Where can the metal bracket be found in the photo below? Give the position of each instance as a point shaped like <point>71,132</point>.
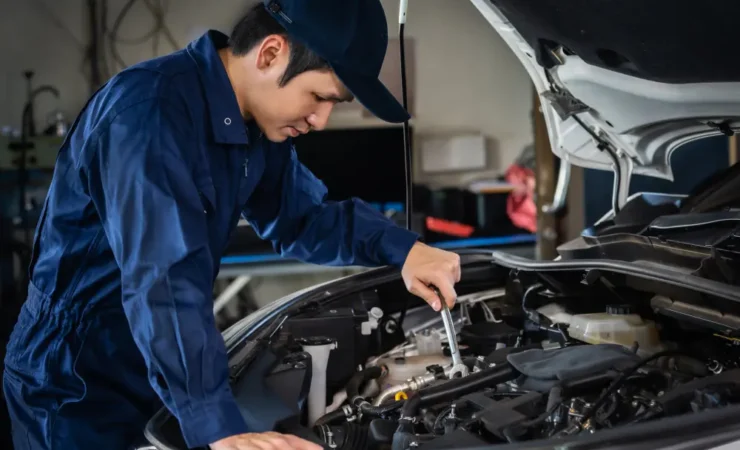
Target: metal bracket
<point>724,127</point>
<point>489,314</point>
<point>564,104</point>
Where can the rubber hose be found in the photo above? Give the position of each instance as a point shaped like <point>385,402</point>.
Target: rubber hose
<point>365,408</point>
<point>553,403</point>
<point>410,407</point>
<point>354,437</point>
<point>330,417</point>
<point>370,410</point>
<point>555,397</point>
<point>619,381</point>
<point>463,386</point>
<point>355,399</point>
<point>456,388</point>
<point>353,386</point>
<point>429,419</point>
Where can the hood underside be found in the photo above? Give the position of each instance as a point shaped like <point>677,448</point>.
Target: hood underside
<point>626,82</point>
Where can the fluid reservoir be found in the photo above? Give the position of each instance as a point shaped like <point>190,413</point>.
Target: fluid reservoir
<point>618,325</point>
<point>403,368</point>
<point>428,342</point>
<point>319,349</point>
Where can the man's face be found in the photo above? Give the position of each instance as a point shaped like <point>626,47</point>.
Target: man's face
<point>302,105</point>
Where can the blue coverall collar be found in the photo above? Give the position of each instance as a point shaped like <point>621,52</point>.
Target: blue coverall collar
<point>226,119</point>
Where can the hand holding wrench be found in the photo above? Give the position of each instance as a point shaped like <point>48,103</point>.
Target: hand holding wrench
<point>459,369</point>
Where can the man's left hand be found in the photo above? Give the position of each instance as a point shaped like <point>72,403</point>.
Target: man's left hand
<point>428,267</point>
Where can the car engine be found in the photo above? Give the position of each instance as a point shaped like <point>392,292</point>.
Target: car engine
<point>542,364</point>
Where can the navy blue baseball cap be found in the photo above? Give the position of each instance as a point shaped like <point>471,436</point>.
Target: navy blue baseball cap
<point>352,37</point>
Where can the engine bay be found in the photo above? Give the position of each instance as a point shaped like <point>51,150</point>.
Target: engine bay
<point>542,364</point>
<point>551,357</point>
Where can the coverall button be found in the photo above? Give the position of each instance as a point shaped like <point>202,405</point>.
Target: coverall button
<point>275,7</point>
<point>227,121</point>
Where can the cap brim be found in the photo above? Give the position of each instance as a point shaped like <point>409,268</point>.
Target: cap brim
<point>373,95</point>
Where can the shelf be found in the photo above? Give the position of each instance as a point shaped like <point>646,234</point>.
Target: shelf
<point>45,151</point>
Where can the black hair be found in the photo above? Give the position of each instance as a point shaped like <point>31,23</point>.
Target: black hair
<point>256,25</point>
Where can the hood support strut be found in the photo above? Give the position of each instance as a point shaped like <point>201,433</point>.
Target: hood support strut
<point>622,167</point>
<point>408,164</point>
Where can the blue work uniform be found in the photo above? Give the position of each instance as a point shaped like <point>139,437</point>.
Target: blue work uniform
<point>147,188</point>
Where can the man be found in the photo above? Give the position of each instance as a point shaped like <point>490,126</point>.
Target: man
<point>147,189</point>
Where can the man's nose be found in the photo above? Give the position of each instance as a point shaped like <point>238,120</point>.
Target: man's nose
<point>320,118</point>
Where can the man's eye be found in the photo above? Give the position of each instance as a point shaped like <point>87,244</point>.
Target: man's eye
<point>319,98</point>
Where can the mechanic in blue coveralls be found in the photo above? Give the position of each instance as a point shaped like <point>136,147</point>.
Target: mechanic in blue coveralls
<point>147,189</point>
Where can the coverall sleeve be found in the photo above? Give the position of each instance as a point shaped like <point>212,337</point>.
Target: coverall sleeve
<point>142,186</point>
<point>290,208</point>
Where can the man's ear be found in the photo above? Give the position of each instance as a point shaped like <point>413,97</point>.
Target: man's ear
<point>272,52</point>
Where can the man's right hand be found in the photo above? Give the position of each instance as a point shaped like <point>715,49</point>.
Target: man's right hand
<point>264,441</point>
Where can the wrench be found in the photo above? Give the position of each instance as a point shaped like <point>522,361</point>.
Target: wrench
<point>459,369</point>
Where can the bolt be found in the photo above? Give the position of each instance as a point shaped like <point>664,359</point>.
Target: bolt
<point>390,327</point>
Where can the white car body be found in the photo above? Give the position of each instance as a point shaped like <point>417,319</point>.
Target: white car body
<point>643,120</point>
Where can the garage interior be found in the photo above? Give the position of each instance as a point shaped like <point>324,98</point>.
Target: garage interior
<point>484,174</point>
<point>482,105</point>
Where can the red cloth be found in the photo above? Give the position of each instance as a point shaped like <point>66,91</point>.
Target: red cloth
<point>520,205</point>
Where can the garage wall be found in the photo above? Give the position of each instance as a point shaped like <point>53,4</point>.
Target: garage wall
<point>466,80</point>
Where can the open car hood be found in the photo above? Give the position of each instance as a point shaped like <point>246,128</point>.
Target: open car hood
<point>625,82</point>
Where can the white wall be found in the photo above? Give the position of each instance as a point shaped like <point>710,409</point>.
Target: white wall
<point>466,78</point>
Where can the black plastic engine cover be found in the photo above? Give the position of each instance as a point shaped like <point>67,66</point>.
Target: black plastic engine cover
<point>459,438</point>
<point>342,324</point>
<point>271,390</point>
<point>495,415</point>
